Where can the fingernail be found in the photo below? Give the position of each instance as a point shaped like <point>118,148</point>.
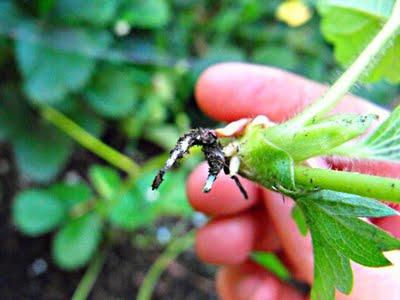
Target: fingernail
<point>233,128</point>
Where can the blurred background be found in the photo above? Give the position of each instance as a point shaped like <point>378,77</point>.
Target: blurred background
<point>75,76</point>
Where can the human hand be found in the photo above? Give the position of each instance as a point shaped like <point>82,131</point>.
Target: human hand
<point>231,91</point>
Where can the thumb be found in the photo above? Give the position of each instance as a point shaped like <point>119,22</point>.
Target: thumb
<point>369,283</point>
<point>297,248</point>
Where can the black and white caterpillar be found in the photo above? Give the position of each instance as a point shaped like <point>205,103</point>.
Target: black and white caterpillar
<point>213,152</point>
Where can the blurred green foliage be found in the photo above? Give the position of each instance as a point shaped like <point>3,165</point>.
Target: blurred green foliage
<point>127,68</point>
<point>136,62</point>
<point>78,212</point>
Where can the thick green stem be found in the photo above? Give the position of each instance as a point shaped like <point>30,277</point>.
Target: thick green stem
<point>173,250</point>
<point>91,143</point>
<point>90,276</point>
<point>376,187</point>
<point>369,55</point>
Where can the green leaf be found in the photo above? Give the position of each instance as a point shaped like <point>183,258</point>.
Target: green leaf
<point>382,144</point>
<point>272,263</point>
<point>165,136</point>
<point>49,65</point>
<point>172,200</point>
<point>82,115</point>
<point>132,211</point>
<point>40,150</point>
<point>282,57</point>
<point>9,14</point>
<point>331,270</point>
<point>41,153</point>
<point>45,6</point>
<point>15,116</point>
<point>96,12</point>
<point>36,212</point>
<point>264,162</point>
<point>320,138</point>
<point>298,217</point>
<point>387,131</point>
<point>146,13</point>
<point>71,194</point>
<point>141,205</point>
<point>89,121</point>
<point>347,205</point>
<point>339,235</point>
<point>113,92</point>
<point>350,25</point>
<point>381,92</point>
<point>77,241</point>
<point>105,180</point>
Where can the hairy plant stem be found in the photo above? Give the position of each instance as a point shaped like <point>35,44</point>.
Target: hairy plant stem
<point>90,276</point>
<point>88,141</point>
<point>367,57</point>
<point>376,187</point>
<point>175,248</point>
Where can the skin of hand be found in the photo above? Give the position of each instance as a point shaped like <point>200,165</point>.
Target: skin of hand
<point>230,91</point>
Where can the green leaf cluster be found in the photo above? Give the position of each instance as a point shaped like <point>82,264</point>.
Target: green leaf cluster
<point>69,56</point>
<point>79,214</point>
<point>269,155</point>
<point>339,235</point>
<point>40,150</point>
<point>382,144</point>
<point>132,205</point>
<point>320,136</point>
<point>40,211</point>
<point>128,68</point>
<point>74,56</point>
<point>350,25</point>
<point>146,14</point>
<point>267,163</point>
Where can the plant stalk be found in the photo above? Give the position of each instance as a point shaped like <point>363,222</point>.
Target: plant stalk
<point>90,276</point>
<point>382,188</point>
<point>336,92</point>
<point>91,143</point>
<point>175,248</point>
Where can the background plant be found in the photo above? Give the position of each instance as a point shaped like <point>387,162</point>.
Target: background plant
<point>123,71</point>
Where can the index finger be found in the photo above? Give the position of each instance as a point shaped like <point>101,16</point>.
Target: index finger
<point>230,91</point>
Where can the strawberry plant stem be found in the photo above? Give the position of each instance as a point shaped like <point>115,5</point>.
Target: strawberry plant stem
<point>90,276</point>
<point>91,143</point>
<point>376,187</point>
<point>174,248</point>
<point>358,69</point>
